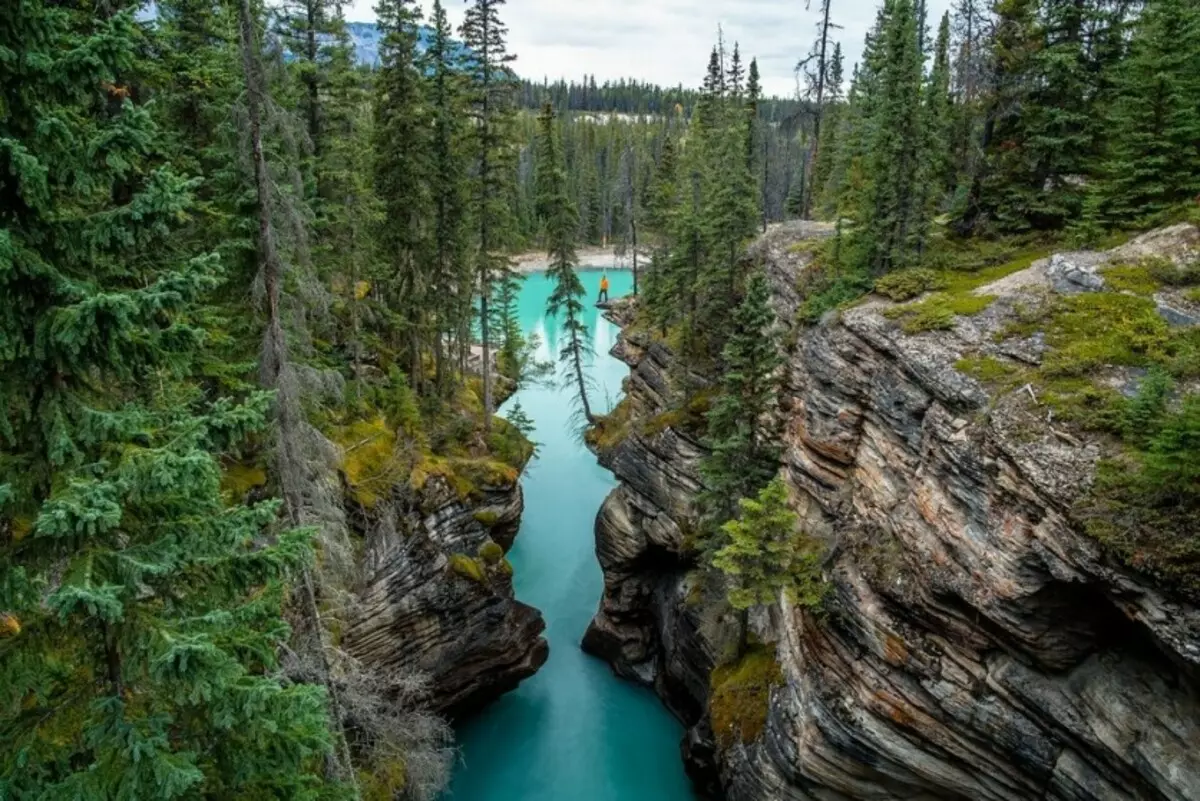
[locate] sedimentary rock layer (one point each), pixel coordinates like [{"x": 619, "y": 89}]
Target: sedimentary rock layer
[{"x": 977, "y": 645}]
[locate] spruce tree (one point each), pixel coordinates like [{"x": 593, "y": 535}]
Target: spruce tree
[
  {"x": 891, "y": 215},
  {"x": 657, "y": 299},
  {"x": 452, "y": 279},
  {"x": 742, "y": 431},
  {"x": 816, "y": 68},
  {"x": 766, "y": 555},
  {"x": 309, "y": 30},
  {"x": 1033, "y": 179},
  {"x": 402, "y": 179},
  {"x": 348, "y": 214},
  {"x": 148, "y": 612},
  {"x": 756, "y": 140},
  {"x": 490, "y": 97},
  {"x": 824, "y": 185},
  {"x": 561, "y": 225},
  {"x": 304, "y": 479},
  {"x": 1153, "y": 157},
  {"x": 728, "y": 208},
  {"x": 937, "y": 177}
]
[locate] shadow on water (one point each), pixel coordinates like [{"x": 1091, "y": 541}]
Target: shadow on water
[{"x": 573, "y": 731}]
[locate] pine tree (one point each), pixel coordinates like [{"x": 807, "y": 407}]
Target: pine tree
[
  {"x": 490, "y": 102},
  {"x": 147, "y": 612},
  {"x": 742, "y": 435},
  {"x": 561, "y": 225},
  {"x": 767, "y": 555},
  {"x": 1153, "y": 159}
]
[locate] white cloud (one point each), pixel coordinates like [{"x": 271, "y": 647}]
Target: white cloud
[{"x": 667, "y": 41}]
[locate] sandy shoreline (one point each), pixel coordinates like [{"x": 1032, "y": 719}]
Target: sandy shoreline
[{"x": 589, "y": 259}]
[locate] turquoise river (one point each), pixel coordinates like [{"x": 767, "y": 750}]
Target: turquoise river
[{"x": 573, "y": 732}]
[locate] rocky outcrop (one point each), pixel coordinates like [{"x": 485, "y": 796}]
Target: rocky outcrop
[
  {"x": 428, "y": 605},
  {"x": 977, "y": 645}
]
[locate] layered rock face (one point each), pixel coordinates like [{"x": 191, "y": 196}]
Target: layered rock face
[
  {"x": 977, "y": 645},
  {"x": 420, "y": 611}
]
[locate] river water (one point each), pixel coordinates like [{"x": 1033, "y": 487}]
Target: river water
[{"x": 573, "y": 732}]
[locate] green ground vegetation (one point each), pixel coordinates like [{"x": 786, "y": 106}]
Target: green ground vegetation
[
  {"x": 741, "y": 694},
  {"x": 1115, "y": 367}
]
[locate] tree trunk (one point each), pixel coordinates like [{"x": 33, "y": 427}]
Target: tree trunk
[
  {"x": 743, "y": 631},
  {"x": 576, "y": 349},
  {"x": 275, "y": 350},
  {"x": 112, "y": 660},
  {"x": 633, "y": 228},
  {"x": 806, "y": 197}
]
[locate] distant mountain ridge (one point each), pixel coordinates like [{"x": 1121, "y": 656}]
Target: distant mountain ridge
[{"x": 367, "y": 37}]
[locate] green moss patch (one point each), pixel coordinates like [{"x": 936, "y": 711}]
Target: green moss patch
[
  {"x": 690, "y": 417},
  {"x": 1089, "y": 331},
  {"x": 468, "y": 567},
  {"x": 803, "y": 246},
  {"x": 1131, "y": 278},
  {"x": 908, "y": 284},
  {"x": 611, "y": 429},
  {"x": 938, "y": 312},
  {"x": 370, "y": 462},
  {"x": 491, "y": 553},
  {"x": 987, "y": 369},
  {"x": 741, "y": 693},
  {"x": 239, "y": 480},
  {"x": 487, "y": 518},
  {"x": 972, "y": 278}
]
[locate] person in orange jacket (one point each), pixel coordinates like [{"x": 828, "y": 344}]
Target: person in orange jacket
[{"x": 603, "y": 288}]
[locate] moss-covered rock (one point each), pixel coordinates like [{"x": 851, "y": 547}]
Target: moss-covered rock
[
  {"x": 741, "y": 693},
  {"x": 369, "y": 459},
  {"x": 491, "y": 553},
  {"x": 239, "y": 480},
  {"x": 609, "y": 430},
  {"x": 487, "y": 518},
  {"x": 468, "y": 567}
]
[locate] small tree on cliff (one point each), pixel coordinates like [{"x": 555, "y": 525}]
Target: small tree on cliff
[
  {"x": 766, "y": 554},
  {"x": 743, "y": 440}
]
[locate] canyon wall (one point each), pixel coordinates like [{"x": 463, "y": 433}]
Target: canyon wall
[
  {"x": 428, "y": 601},
  {"x": 977, "y": 645}
]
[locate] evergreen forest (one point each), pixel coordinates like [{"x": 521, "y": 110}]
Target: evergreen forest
[{"x": 245, "y": 277}]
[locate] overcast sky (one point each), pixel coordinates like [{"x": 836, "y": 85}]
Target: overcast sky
[{"x": 666, "y": 41}]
